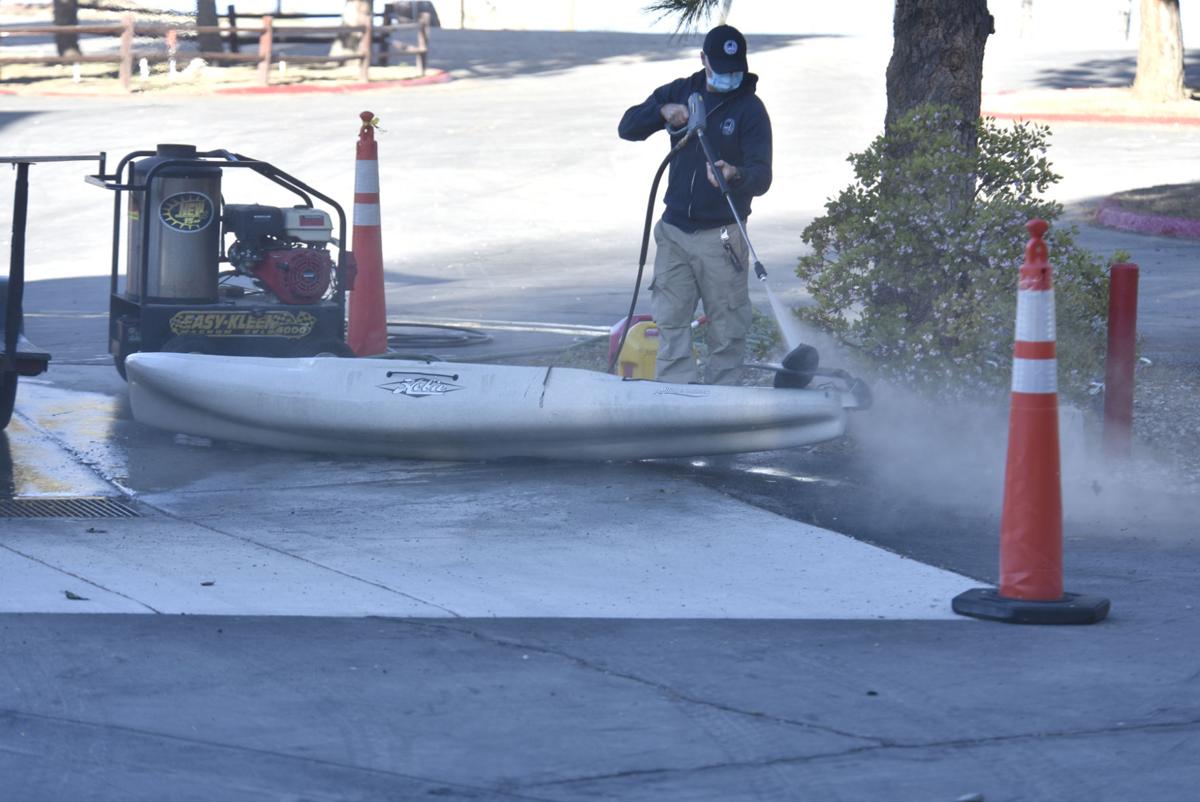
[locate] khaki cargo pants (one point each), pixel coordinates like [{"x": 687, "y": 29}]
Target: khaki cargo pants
[{"x": 693, "y": 267}]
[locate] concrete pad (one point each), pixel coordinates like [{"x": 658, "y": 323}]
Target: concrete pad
[
  {"x": 32, "y": 585},
  {"x": 471, "y": 553},
  {"x": 286, "y": 534},
  {"x": 164, "y": 564},
  {"x": 580, "y": 541}
]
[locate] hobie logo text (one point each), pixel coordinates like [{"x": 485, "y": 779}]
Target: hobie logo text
[{"x": 420, "y": 385}]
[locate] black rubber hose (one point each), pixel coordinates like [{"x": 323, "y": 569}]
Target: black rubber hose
[
  {"x": 612, "y": 362},
  {"x": 455, "y": 336}
]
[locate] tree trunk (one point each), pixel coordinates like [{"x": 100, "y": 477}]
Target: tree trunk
[
  {"x": 1160, "y": 53},
  {"x": 66, "y": 12},
  {"x": 355, "y": 12},
  {"x": 937, "y": 57},
  {"x": 206, "y": 14}
]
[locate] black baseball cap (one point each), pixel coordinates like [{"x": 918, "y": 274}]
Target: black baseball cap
[{"x": 725, "y": 48}]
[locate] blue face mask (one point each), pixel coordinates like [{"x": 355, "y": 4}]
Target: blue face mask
[{"x": 725, "y": 81}]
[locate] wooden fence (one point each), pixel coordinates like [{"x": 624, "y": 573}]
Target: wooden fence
[
  {"x": 235, "y": 36},
  {"x": 267, "y": 34}
]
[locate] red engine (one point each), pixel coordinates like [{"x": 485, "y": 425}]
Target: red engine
[
  {"x": 283, "y": 250},
  {"x": 295, "y": 275}
]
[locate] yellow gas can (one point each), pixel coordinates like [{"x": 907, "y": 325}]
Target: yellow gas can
[{"x": 640, "y": 351}]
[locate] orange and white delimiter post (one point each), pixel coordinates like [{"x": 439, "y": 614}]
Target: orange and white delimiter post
[
  {"x": 367, "y": 333},
  {"x": 1031, "y": 523}
]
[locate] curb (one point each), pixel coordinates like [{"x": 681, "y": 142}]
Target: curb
[
  {"x": 1114, "y": 119},
  {"x": 1111, "y": 214},
  {"x": 434, "y": 77}
]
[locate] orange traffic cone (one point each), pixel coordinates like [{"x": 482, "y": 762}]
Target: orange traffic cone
[
  {"x": 367, "y": 333},
  {"x": 1031, "y": 584}
]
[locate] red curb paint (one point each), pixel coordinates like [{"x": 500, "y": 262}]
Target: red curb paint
[
  {"x": 310, "y": 89},
  {"x": 1127, "y": 119},
  {"x": 72, "y": 94},
  {"x": 1112, "y": 215},
  {"x": 436, "y": 77}
]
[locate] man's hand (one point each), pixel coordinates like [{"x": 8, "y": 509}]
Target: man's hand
[
  {"x": 676, "y": 114},
  {"x": 727, "y": 170}
]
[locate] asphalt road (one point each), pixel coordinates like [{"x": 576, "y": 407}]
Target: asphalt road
[{"x": 508, "y": 197}]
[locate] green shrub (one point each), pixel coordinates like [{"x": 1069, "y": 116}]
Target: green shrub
[{"x": 919, "y": 272}]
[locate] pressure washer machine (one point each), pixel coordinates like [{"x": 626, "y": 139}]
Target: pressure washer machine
[{"x": 283, "y": 294}]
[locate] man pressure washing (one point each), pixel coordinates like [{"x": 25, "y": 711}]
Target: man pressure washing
[{"x": 699, "y": 252}]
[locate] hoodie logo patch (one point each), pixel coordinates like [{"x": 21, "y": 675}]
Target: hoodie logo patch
[
  {"x": 730, "y": 47},
  {"x": 728, "y": 126}
]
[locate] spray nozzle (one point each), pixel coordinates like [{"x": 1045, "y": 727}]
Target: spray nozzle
[{"x": 696, "y": 112}]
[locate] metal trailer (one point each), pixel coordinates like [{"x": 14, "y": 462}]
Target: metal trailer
[{"x": 19, "y": 356}]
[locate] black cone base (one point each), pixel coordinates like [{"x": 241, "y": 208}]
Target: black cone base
[{"x": 1070, "y": 609}]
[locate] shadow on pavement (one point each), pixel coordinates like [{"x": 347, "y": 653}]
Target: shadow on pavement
[
  {"x": 68, "y": 316},
  {"x": 504, "y": 54},
  {"x": 9, "y": 118},
  {"x": 1108, "y": 72}
]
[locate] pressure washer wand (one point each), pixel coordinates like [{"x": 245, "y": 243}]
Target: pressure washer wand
[{"x": 696, "y": 124}]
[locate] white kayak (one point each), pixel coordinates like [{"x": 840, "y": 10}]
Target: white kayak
[{"x": 460, "y": 411}]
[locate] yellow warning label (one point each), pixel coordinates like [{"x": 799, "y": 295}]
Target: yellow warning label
[{"x": 291, "y": 325}]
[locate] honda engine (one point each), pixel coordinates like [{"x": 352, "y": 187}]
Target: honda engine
[{"x": 283, "y": 250}]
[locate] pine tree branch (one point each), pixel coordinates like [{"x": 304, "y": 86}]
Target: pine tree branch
[{"x": 691, "y": 13}]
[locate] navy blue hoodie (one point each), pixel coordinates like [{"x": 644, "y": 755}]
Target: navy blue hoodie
[{"x": 739, "y": 131}]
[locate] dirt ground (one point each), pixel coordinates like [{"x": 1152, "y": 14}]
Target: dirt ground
[
  {"x": 1170, "y": 200},
  {"x": 188, "y": 77}
]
